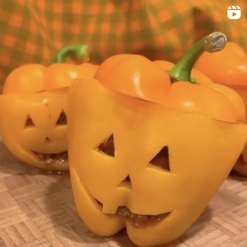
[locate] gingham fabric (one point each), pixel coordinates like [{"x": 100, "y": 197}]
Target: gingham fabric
[{"x": 31, "y": 31}]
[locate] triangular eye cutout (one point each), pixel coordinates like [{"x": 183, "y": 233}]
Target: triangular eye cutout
[
  {"x": 29, "y": 122},
  {"x": 107, "y": 146},
  {"x": 161, "y": 159},
  {"x": 62, "y": 119}
]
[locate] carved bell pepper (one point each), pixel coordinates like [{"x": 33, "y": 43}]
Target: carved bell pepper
[
  {"x": 33, "y": 110},
  {"x": 148, "y": 147},
  {"x": 228, "y": 67}
]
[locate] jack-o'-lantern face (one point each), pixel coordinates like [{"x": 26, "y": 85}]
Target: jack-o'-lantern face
[
  {"x": 34, "y": 127},
  {"x": 33, "y": 112},
  {"x": 144, "y": 166}
]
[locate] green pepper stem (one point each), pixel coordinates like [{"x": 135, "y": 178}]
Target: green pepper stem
[
  {"x": 80, "y": 52},
  {"x": 213, "y": 42}
]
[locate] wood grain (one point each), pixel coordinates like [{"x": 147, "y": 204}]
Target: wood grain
[{"x": 37, "y": 210}]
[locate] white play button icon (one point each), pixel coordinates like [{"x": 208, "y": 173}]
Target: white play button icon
[{"x": 234, "y": 12}]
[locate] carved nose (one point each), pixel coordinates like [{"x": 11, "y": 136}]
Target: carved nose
[
  {"x": 125, "y": 181},
  {"x": 47, "y": 139}
]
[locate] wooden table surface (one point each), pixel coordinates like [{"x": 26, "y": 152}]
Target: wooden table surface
[{"x": 38, "y": 210}]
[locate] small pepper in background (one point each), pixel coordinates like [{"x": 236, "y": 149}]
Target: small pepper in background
[
  {"x": 228, "y": 67},
  {"x": 148, "y": 148},
  {"x": 33, "y": 109},
  {"x": 32, "y": 78}
]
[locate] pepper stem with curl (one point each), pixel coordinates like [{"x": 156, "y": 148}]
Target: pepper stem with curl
[
  {"x": 79, "y": 51},
  {"x": 213, "y": 42}
]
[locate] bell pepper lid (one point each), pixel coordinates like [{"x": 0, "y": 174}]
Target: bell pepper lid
[{"x": 137, "y": 76}]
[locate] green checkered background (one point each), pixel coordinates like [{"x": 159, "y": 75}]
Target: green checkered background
[{"x": 31, "y": 31}]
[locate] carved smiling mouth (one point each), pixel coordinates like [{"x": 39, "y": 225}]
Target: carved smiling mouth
[
  {"x": 139, "y": 220},
  {"x": 49, "y": 158}
]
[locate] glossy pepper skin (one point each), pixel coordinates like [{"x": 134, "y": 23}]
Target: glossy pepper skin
[
  {"x": 33, "y": 112},
  {"x": 228, "y": 67},
  {"x": 143, "y": 147}
]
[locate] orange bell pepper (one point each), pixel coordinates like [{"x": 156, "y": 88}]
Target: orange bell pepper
[
  {"x": 148, "y": 147},
  {"x": 33, "y": 109},
  {"x": 228, "y": 67}
]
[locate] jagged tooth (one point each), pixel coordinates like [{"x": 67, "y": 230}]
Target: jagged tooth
[{"x": 48, "y": 161}]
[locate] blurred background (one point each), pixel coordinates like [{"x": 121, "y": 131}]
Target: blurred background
[{"x": 32, "y": 31}]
